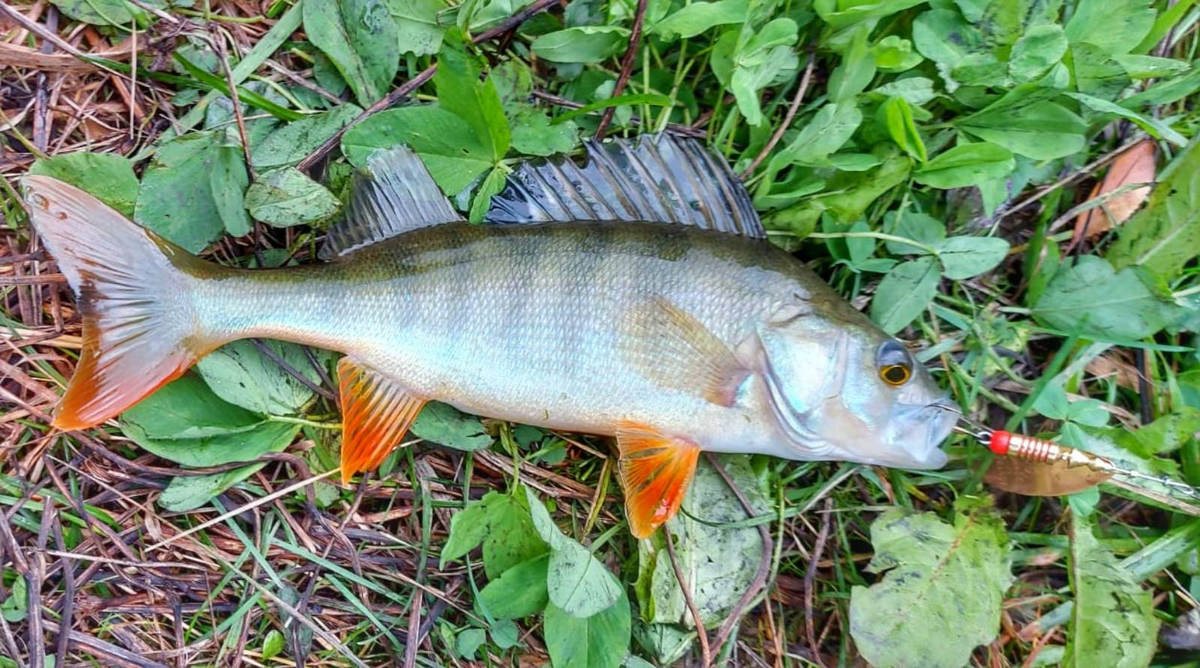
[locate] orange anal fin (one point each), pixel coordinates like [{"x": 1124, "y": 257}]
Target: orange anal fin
[
  {"x": 376, "y": 411},
  {"x": 674, "y": 350},
  {"x": 656, "y": 470}
]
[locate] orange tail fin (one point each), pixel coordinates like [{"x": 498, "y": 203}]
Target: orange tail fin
[{"x": 139, "y": 325}]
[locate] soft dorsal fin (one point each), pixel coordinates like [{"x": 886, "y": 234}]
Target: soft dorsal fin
[
  {"x": 395, "y": 196},
  {"x": 655, "y": 178}
]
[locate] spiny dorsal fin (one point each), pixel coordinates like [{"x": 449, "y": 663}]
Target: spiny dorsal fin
[
  {"x": 656, "y": 178},
  {"x": 397, "y": 195}
]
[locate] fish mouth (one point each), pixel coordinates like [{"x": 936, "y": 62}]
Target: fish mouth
[{"x": 938, "y": 419}]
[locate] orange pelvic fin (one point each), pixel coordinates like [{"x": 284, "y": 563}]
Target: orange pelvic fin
[
  {"x": 138, "y": 327},
  {"x": 673, "y": 349},
  {"x": 376, "y": 412},
  {"x": 656, "y": 470}
]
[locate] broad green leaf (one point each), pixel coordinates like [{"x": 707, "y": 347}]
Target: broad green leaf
[
  {"x": 446, "y": 144},
  {"x": 850, "y": 193},
  {"x": 577, "y": 582},
  {"x": 840, "y": 13},
  {"x": 1116, "y": 304},
  {"x": 446, "y": 425},
  {"x": 699, "y": 17},
  {"x": 898, "y": 119},
  {"x": 460, "y": 92},
  {"x": 760, "y": 72},
  {"x": 964, "y": 257},
  {"x": 894, "y": 54},
  {"x": 1153, "y": 126},
  {"x": 187, "y": 409},
  {"x": 855, "y": 72},
  {"x": 519, "y": 592},
  {"x": 272, "y": 645},
  {"x": 290, "y": 143},
  {"x": 468, "y": 642},
  {"x": 417, "y": 26},
  {"x": 1039, "y": 49},
  {"x": 944, "y": 37},
  {"x": 1165, "y": 235},
  {"x": 666, "y": 643},
  {"x": 176, "y": 199},
  {"x": 118, "y": 13},
  {"x": 1042, "y": 131},
  {"x": 1166, "y": 434},
  {"x": 186, "y": 493},
  {"x": 1112, "y": 621},
  {"x": 828, "y": 130},
  {"x": 943, "y": 588},
  {"x": 106, "y": 175},
  {"x": 1116, "y": 26},
  {"x": 966, "y": 165},
  {"x": 920, "y": 227},
  {"x": 1097, "y": 72},
  {"x": 599, "y": 641},
  {"x": 1151, "y": 67},
  {"x": 904, "y": 293},
  {"x": 360, "y": 38},
  {"x": 512, "y": 538},
  {"x": 765, "y": 59},
  {"x": 581, "y": 44},
  {"x": 286, "y": 197},
  {"x": 914, "y": 90},
  {"x": 229, "y": 182},
  {"x": 533, "y": 133},
  {"x": 468, "y": 528},
  {"x": 15, "y": 608},
  {"x": 715, "y": 584},
  {"x": 242, "y": 375}
]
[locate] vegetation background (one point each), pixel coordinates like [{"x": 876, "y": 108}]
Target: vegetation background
[{"x": 974, "y": 173}]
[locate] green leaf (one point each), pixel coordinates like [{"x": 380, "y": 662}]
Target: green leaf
[
  {"x": 966, "y": 165},
  {"x": 468, "y": 528},
  {"x": 840, "y": 14},
  {"x": 242, "y": 375},
  {"x": 904, "y": 292},
  {"x": 186, "y": 493},
  {"x": 626, "y": 100},
  {"x": 511, "y": 538},
  {"x": 944, "y": 37},
  {"x": 187, "y": 409},
  {"x": 229, "y": 181},
  {"x": 15, "y": 608},
  {"x": 533, "y": 133},
  {"x": 578, "y": 583},
  {"x": 272, "y": 645},
  {"x": 106, "y": 175},
  {"x": 700, "y": 17},
  {"x": 920, "y": 227},
  {"x": 286, "y": 197},
  {"x": 360, "y": 38},
  {"x": 1116, "y": 304},
  {"x": 766, "y": 59},
  {"x": 492, "y": 185},
  {"x": 1112, "y": 622},
  {"x": 1152, "y": 125},
  {"x": 1116, "y": 26},
  {"x": 1043, "y": 130},
  {"x": 698, "y": 532},
  {"x": 1039, "y": 49},
  {"x": 1165, "y": 235},
  {"x": 1098, "y": 73},
  {"x": 289, "y": 144},
  {"x": 964, "y": 257},
  {"x": 119, "y": 13},
  {"x": 176, "y": 199},
  {"x": 519, "y": 592},
  {"x": 828, "y": 130},
  {"x": 418, "y": 31},
  {"x": 460, "y": 92},
  {"x": 446, "y": 425},
  {"x": 915, "y": 90},
  {"x": 581, "y": 44},
  {"x": 1166, "y": 434},
  {"x": 856, "y": 70},
  {"x": 943, "y": 588},
  {"x": 599, "y": 641},
  {"x": 898, "y": 119},
  {"x": 446, "y": 144},
  {"x": 1151, "y": 67},
  {"x": 894, "y": 54}
]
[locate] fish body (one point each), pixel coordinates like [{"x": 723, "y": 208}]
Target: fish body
[{"x": 672, "y": 338}]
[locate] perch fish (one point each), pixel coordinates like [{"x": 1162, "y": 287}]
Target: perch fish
[{"x": 634, "y": 295}]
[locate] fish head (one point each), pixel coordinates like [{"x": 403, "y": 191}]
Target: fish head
[{"x": 845, "y": 390}]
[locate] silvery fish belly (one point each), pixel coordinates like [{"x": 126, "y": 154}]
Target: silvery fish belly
[{"x": 634, "y": 295}]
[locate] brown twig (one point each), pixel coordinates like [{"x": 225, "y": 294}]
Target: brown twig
[
  {"x": 787, "y": 120},
  {"x": 705, "y": 652},
  {"x": 631, "y": 53},
  {"x": 764, "y": 564},
  {"x": 810, "y": 575}
]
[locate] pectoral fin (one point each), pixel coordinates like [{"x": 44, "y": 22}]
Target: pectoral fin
[
  {"x": 674, "y": 350},
  {"x": 376, "y": 412},
  {"x": 656, "y": 470}
]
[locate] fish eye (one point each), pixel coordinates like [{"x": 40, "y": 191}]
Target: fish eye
[{"x": 894, "y": 363}]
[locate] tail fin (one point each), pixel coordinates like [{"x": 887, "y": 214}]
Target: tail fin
[{"x": 139, "y": 326}]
